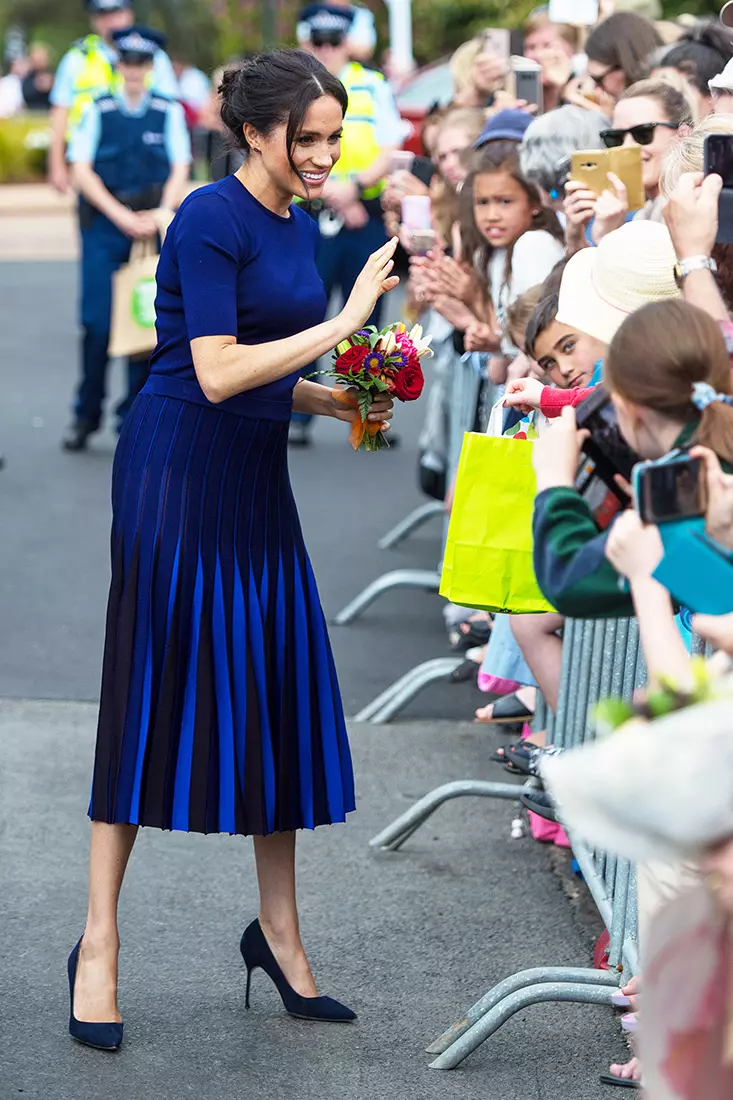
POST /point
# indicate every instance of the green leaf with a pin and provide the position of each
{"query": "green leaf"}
(609, 714)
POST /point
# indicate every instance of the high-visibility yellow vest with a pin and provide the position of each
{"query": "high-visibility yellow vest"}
(96, 76)
(359, 145)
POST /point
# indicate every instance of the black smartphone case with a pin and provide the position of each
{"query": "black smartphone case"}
(725, 217)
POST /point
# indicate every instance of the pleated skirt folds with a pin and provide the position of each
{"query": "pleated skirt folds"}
(220, 708)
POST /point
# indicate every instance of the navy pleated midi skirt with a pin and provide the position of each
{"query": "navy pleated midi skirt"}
(220, 708)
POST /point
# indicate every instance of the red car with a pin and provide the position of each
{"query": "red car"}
(429, 85)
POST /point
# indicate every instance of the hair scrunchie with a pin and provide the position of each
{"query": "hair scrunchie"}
(703, 394)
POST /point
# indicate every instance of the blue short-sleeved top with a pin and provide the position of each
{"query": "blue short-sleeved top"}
(231, 267)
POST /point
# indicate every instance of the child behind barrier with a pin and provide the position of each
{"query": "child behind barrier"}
(566, 357)
(599, 288)
(514, 239)
(656, 357)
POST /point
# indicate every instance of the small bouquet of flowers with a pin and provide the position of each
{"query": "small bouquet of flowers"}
(378, 361)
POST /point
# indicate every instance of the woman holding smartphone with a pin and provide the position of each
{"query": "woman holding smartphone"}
(653, 116)
(220, 709)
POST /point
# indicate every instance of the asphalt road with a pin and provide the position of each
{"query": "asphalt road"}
(411, 940)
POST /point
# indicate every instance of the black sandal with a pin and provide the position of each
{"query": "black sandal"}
(620, 1082)
(509, 710)
(477, 634)
(518, 761)
(467, 670)
(540, 803)
(502, 754)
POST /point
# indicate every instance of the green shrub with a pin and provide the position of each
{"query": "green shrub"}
(24, 142)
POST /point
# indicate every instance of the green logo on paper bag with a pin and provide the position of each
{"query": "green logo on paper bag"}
(143, 303)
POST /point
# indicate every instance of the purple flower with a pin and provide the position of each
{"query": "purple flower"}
(374, 362)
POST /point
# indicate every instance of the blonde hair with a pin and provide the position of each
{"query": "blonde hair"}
(541, 19)
(675, 104)
(469, 119)
(443, 196)
(687, 154)
(668, 31)
(462, 62)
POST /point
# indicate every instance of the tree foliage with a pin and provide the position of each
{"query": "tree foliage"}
(209, 32)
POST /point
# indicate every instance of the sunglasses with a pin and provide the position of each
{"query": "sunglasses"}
(642, 135)
(598, 80)
(327, 38)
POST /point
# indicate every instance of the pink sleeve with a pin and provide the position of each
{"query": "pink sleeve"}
(554, 401)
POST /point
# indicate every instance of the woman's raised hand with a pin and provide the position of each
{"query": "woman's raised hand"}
(374, 281)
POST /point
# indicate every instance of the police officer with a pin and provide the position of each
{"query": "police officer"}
(130, 155)
(87, 70)
(351, 225)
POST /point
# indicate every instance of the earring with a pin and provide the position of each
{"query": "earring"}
(535, 213)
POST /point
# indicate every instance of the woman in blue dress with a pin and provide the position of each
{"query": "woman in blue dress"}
(220, 709)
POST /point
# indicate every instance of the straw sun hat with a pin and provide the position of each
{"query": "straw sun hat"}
(601, 286)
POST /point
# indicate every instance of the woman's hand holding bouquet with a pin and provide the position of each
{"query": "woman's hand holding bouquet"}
(372, 368)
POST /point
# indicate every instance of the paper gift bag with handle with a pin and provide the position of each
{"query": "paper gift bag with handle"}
(488, 555)
(133, 296)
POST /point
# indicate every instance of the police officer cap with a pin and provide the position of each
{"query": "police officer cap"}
(138, 43)
(100, 7)
(324, 20)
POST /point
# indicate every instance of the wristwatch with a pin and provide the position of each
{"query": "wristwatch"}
(683, 268)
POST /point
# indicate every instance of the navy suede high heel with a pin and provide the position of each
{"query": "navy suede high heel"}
(101, 1036)
(256, 952)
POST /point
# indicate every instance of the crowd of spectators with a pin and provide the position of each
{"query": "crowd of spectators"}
(552, 286)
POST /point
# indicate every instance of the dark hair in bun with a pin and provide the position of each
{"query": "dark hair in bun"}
(271, 88)
(700, 54)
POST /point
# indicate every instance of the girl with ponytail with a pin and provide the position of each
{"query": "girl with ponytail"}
(669, 376)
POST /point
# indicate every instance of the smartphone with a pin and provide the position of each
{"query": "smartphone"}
(698, 573)
(718, 159)
(591, 167)
(416, 212)
(420, 241)
(527, 81)
(604, 454)
(578, 13)
(497, 41)
(400, 160)
(670, 490)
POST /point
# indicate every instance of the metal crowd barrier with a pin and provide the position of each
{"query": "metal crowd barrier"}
(600, 658)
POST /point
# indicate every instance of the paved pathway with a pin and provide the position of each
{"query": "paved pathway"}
(410, 939)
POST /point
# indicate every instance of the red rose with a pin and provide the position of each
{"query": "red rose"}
(408, 384)
(352, 360)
